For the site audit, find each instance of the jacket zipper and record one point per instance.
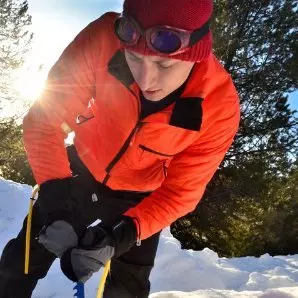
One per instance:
(129, 141)
(155, 152)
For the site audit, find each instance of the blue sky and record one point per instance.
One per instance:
(57, 22)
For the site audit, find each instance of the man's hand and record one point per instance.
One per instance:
(58, 237)
(97, 246)
(60, 202)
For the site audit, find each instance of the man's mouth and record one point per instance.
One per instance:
(151, 91)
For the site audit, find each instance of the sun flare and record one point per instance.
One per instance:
(29, 85)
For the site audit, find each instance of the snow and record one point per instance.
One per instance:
(177, 273)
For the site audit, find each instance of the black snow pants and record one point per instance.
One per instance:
(129, 275)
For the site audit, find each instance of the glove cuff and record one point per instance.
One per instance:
(66, 266)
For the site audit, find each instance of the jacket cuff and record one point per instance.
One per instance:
(66, 266)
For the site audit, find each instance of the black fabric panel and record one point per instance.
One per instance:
(119, 68)
(149, 107)
(188, 113)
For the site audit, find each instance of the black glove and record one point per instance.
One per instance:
(59, 202)
(97, 246)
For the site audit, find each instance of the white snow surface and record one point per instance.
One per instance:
(177, 273)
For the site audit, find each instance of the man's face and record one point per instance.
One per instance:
(157, 76)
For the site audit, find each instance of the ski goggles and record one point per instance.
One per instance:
(160, 39)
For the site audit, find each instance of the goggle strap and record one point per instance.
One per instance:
(199, 34)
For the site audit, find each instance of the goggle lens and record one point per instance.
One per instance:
(165, 41)
(126, 31)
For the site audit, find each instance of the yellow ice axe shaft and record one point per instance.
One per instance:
(28, 242)
(103, 279)
(28, 229)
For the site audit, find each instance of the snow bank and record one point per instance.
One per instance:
(177, 273)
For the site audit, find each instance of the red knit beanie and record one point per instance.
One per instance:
(183, 14)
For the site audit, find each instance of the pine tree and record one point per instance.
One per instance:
(15, 39)
(256, 42)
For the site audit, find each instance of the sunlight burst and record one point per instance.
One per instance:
(30, 84)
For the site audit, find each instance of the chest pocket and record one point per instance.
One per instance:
(149, 156)
(143, 147)
(158, 143)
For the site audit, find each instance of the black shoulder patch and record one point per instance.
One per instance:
(119, 68)
(188, 113)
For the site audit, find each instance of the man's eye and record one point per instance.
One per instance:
(164, 66)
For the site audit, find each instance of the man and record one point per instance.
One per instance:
(153, 113)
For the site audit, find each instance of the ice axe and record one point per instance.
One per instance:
(80, 288)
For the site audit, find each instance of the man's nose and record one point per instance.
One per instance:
(146, 77)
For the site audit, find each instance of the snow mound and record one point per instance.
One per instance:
(177, 272)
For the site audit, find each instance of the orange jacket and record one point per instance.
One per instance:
(173, 153)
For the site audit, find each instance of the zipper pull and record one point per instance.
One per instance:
(139, 242)
(133, 139)
(134, 135)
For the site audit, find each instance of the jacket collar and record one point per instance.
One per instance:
(187, 111)
(119, 68)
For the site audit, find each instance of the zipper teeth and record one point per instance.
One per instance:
(122, 150)
(107, 177)
(137, 128)
(126, 143)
